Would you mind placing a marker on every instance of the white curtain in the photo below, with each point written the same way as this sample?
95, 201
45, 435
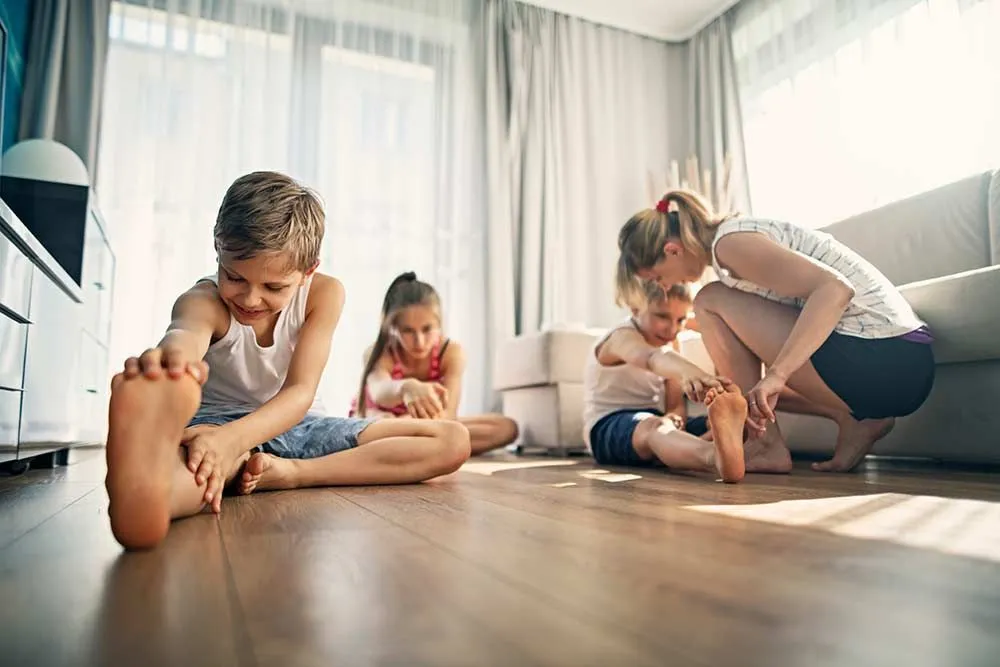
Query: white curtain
856, 103
579, 117
371, 102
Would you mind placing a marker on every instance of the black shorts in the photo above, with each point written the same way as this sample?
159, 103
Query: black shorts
611, 437
887, 377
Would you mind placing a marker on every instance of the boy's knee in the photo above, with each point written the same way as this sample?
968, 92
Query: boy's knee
453, 446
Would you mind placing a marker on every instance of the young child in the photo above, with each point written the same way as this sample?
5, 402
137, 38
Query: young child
634, 389
413, 371
838, 339
238, 369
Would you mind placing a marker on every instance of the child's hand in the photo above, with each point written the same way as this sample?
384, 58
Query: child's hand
425, 400
155, 360
209, 452
697, 384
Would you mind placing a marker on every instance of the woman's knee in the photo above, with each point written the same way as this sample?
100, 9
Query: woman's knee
711, 297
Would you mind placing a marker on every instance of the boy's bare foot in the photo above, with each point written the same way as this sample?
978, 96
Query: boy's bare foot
727, 413
769, 453
266, 472
146, 420
854, 441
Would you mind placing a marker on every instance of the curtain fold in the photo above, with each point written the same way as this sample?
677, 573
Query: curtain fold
716, 122
64, 74
578, 119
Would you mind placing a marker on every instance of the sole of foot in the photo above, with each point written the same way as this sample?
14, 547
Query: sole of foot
265, 472
727, 414
854, 442
146, 420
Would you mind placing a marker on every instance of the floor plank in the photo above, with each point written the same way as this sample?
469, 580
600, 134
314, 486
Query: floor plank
359, 590
771, 591
72, 597
563, 562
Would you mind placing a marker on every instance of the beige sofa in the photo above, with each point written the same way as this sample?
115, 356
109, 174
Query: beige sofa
942, 247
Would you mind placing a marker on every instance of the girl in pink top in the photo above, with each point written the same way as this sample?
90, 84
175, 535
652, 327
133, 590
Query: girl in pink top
413, 371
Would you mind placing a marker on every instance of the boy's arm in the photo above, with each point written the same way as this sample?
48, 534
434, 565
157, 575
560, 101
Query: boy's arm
675, 403
197, 317
628, 346
292, 402
452, 370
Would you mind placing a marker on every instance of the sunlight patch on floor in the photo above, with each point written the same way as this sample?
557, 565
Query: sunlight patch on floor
489, 467
954, 526
608, 476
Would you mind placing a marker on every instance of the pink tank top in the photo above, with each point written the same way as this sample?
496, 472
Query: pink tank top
397, 374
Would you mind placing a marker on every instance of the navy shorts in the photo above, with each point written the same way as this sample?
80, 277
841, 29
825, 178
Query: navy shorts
888, 377
611, 436
314, 436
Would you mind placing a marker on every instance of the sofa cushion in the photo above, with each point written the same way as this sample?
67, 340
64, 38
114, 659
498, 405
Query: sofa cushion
963, 312
548, 357
937, 233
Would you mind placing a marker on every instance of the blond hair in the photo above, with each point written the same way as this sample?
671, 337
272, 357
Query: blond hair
267, 212
641, 239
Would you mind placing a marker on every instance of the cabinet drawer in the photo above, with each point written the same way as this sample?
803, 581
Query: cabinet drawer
15, 278
13, 337
98, 275
10, 416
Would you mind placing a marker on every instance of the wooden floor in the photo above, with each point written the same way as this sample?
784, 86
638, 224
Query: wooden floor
556, 564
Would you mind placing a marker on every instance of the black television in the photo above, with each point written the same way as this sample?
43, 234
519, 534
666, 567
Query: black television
3, 80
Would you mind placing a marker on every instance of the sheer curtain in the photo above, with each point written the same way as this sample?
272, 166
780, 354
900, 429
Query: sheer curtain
580, 119
857, 103
370, 102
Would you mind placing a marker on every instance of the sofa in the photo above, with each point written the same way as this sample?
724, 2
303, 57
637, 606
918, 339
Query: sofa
941, 247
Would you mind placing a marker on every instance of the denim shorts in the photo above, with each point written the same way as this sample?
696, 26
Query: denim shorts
312, 437
611, 437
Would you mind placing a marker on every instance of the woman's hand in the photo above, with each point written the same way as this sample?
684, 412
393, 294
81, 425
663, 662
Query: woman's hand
425, 400
761, 401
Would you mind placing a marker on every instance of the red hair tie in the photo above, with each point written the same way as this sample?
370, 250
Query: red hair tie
662, 206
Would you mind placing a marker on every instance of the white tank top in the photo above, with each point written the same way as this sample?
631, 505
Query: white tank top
877, 310
608, 389
242, 374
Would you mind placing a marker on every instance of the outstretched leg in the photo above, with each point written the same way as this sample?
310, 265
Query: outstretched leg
488, 432
658, 437
148, 482
389, 451
743, 331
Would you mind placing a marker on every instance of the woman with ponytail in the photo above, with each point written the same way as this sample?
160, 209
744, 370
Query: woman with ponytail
836, 338
413, 371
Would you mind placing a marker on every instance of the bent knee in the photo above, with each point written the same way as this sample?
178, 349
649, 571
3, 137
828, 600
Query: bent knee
452, 446
710, 296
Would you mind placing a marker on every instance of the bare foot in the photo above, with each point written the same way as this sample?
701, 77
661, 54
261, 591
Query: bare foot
769, 453
266, 472
854, 441
727, 412
146, 420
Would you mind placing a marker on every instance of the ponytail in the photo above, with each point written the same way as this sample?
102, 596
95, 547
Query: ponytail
404, 290
642, 238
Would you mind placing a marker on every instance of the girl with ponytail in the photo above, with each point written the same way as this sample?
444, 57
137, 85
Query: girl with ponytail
413, 371
836, 337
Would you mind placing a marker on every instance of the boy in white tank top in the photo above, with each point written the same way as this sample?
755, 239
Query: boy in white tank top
229, 394
634, 395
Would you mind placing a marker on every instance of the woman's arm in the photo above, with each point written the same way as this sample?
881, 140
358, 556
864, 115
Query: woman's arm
754, 257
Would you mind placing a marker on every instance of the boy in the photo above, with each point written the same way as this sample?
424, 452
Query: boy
239, 367
631, 382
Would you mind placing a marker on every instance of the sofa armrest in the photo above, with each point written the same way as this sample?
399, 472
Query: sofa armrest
963, 313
